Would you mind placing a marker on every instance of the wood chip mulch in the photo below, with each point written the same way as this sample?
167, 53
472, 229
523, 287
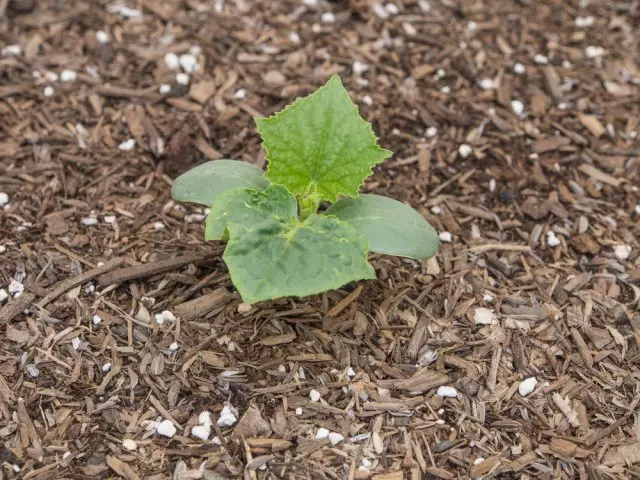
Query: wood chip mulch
512, 354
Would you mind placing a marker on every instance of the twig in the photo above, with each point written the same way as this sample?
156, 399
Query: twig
202, 305
13, 308
69, 283
507, 247
148, 269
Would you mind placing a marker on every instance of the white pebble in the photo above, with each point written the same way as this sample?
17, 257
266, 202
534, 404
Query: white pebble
240, 94
315, 395
189, 63
102, 37
75, 343
106, 367
159, 318
3, 295
464, 150
11, 50
380, 11
205, 418
299, 411
172, 61
582, 22
4, 199
164, 89
109, 219
3, 249
487, 84
563, 106
174, 346
48, 91
487, 298
227, 417
166, 428
328, 17
409, 29
294, 37
484, 316
436, 210
445, 237
51, 76
492, 185
593, 51
182, 79
96, 320
637, 209
432, 132
16, 468
518, 68
335, 438
129, 444
540, 59
517, 106
310, 3
447, 392
124, 10
301, 374
68, 76
424, 5
168, 316
527, 386
88, 221
32, 370
367, 100
195, 50
567, 64
445, 89
552, 240
622, 252
322, 433
158, 226
15, 288
478, 460
472, 26
392, 9
127, 145
201, 431
351, 372
360, 67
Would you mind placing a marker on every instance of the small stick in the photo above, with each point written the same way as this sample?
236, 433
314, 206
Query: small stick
345, 302
15, 307
202, 305
507, 247
583, 349
69, 283
148, 269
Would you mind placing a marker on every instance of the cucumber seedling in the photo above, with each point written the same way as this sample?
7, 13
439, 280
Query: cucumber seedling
318, 149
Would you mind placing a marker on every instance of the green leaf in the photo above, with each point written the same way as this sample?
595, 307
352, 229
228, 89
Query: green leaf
246, 207
277, 258
205, 182
391, 227
320, 145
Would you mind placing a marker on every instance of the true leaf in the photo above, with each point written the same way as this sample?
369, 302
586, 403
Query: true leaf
205, 182
391, 227
277, 258
246, 207
319, 145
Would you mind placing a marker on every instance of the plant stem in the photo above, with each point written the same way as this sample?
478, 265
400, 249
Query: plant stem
309, 205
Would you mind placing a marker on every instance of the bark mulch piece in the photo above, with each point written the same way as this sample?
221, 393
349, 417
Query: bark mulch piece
512, 354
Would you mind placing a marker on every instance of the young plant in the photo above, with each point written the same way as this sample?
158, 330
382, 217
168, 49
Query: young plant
318, 149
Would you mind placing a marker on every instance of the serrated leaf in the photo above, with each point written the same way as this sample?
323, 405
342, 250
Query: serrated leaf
246, 207
277, 258
319, 145
205, 182
391, 227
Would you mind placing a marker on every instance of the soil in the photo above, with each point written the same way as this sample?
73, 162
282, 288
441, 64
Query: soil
514, 126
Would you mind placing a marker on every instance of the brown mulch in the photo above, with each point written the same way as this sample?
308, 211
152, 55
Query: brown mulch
514, 125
